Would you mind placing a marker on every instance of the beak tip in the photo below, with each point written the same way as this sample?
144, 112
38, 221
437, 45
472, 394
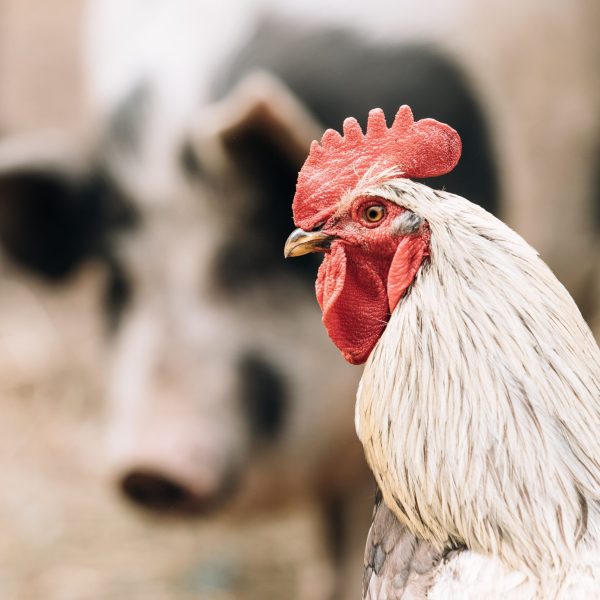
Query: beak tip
303, 242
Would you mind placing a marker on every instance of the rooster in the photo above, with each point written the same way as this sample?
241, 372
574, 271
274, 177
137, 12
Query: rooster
479, 405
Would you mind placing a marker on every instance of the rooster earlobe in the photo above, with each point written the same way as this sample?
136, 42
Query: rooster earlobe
409, 256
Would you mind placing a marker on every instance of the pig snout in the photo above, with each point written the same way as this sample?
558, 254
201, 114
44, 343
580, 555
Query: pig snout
174, 468
162, 490
175, 444
167, 486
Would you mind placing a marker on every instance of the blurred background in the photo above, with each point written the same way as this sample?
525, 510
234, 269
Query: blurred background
174, 422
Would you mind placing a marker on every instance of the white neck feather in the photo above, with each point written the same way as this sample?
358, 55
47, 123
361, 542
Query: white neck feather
479, 408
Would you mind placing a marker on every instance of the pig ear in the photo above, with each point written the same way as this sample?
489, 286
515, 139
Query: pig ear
261, 107
48, 217
261, 133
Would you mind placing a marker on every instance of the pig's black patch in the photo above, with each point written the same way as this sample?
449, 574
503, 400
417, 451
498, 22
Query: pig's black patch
336, 75
127, 121
50, 221
189, 161
117, 293
263, 394
267, 177
43, 225
241, 263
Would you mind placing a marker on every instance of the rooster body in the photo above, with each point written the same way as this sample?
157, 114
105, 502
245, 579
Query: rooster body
479, 406
490, 380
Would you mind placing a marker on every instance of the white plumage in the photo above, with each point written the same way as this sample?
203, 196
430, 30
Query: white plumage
479, 410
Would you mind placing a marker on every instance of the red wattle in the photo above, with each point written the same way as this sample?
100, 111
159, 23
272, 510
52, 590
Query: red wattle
353, 298
357, 292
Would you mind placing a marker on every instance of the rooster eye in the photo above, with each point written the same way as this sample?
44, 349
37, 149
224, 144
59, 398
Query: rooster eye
374, 213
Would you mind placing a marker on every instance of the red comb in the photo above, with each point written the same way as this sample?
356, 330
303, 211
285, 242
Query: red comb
426, 148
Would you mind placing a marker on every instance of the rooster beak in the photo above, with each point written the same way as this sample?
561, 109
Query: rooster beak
302, 242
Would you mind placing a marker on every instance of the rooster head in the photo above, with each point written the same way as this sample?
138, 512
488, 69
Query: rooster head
373, 247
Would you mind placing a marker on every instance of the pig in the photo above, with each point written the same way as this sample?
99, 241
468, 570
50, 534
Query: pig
223, 392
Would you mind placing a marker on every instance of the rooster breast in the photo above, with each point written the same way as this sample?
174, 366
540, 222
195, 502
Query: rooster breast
479, 408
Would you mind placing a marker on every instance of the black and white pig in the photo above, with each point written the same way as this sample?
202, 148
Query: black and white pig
223, 390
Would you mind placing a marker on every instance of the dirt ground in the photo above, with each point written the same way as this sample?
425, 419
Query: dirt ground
64, 532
